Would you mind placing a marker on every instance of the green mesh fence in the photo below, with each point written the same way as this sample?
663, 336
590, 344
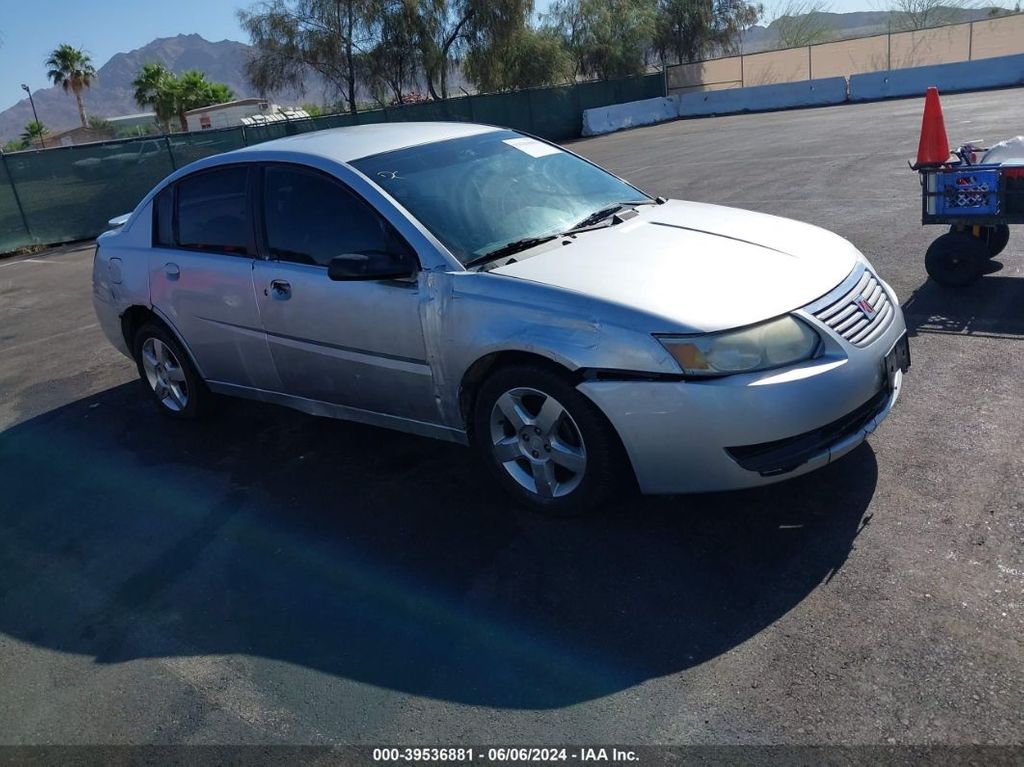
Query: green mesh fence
460, 110
189, 147
70, 193
13, 233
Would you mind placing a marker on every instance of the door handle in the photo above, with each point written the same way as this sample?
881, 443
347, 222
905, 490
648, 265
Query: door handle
280, 290
172, 271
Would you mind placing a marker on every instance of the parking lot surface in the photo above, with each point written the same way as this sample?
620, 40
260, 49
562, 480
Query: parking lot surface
265, 576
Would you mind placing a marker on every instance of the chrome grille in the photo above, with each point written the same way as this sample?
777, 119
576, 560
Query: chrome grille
850, 320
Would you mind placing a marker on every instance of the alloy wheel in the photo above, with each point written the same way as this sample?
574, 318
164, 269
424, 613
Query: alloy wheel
535, 439
165, 375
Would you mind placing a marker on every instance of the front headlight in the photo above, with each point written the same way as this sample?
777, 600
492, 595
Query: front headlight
772, 344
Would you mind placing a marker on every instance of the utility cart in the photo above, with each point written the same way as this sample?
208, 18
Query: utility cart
978, 203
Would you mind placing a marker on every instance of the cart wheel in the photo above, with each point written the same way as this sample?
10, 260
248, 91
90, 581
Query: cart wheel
956, 259
995, 237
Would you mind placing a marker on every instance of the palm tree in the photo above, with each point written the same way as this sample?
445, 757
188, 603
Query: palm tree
34, 131
71, 69
155, 87
195, 91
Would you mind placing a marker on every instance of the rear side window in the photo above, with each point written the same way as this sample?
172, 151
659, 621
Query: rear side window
310, 219
213, 211
163, 218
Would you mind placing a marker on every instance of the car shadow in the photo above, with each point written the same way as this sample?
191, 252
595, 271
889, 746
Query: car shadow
991, 307
385, 558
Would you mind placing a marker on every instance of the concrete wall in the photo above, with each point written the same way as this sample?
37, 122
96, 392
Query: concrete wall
961, 76
866, 86
631, 115
763, 98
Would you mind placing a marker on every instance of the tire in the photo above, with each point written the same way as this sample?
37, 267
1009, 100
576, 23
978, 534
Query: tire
995, 237
956, 259
168, 373
546, 444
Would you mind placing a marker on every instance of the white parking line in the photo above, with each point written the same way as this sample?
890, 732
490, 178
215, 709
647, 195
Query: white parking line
37, 261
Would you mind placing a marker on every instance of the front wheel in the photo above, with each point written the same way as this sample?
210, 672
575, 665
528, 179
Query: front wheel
546, 443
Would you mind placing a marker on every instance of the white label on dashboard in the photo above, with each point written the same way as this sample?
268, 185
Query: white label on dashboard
532, 147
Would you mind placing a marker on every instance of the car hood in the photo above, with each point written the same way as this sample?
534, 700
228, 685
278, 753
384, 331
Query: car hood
703, 266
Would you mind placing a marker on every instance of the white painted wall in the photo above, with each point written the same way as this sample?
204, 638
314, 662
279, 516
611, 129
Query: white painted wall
226, 117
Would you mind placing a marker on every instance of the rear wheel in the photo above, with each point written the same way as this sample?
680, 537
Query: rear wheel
166, 369
545, 443
956, 259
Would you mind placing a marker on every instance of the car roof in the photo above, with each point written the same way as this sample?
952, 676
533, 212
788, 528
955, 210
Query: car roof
357, 141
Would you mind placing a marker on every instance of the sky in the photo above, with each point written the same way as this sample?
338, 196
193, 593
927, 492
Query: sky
28, 32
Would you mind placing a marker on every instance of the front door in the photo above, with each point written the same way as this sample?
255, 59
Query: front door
357, 344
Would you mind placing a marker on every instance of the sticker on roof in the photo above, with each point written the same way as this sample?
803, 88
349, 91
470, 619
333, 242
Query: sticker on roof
532, 147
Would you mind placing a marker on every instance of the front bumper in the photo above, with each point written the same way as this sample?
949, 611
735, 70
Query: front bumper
778, 424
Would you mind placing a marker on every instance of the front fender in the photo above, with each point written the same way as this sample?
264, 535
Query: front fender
470, 315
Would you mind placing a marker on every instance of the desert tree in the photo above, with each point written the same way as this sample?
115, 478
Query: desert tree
503, 52
692, 30
392, 64
294, 39
606, 38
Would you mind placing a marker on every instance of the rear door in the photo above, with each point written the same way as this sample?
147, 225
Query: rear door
358, 344
201, 272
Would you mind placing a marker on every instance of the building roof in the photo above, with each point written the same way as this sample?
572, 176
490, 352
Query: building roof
347, 144
226, 105
138, 116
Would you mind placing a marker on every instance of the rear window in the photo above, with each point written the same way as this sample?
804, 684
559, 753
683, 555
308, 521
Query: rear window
213, 211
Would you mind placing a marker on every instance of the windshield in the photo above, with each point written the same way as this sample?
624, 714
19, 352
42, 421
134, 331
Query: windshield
479, 193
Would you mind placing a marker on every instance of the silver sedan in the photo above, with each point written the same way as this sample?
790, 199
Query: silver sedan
477, 285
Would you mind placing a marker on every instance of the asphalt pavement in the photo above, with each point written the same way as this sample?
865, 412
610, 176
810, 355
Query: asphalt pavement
268, 577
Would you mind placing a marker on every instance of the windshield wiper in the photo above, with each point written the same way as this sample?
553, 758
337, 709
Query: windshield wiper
509, 248
600, 215
517, 246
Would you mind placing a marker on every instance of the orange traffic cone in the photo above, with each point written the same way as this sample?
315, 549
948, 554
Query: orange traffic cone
934, 146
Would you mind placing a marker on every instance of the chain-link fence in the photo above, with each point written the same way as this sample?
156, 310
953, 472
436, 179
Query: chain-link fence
69, 193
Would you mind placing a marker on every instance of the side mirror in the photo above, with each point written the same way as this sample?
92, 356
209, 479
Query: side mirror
369, 265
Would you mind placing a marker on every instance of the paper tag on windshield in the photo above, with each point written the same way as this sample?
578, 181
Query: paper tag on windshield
532, 147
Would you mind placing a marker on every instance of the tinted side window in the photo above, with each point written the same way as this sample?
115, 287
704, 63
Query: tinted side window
163, 218
213, 211
310, 219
